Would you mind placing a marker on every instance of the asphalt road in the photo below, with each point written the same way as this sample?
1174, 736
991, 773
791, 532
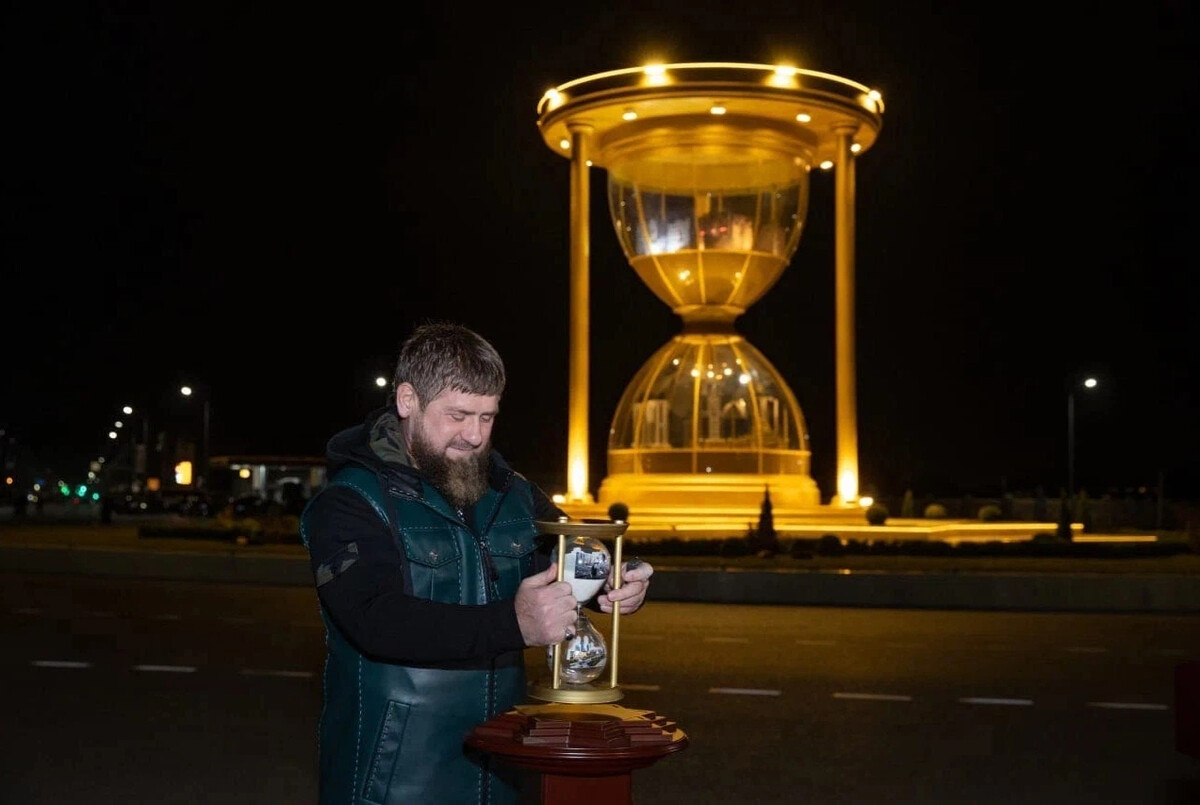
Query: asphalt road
131, 691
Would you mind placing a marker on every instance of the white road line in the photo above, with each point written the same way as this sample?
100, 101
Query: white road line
726, 640
285, 674
1085, 649
27, 611
170, 669
746, 691
1127, 706
60, 664
986, 700
874, 697
815, 643
166, 617
639, 687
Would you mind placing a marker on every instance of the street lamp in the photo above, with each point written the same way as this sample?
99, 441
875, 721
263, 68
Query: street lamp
187, 391
1087, 383
138, 446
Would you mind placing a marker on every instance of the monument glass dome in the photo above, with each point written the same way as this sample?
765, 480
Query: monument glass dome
710, 405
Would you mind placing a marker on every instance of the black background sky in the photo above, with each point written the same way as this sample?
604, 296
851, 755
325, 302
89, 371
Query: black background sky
265, 200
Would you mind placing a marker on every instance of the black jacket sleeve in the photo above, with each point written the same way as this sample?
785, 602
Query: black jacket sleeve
359, 572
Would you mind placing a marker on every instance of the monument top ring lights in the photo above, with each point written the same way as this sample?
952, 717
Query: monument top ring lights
779, 108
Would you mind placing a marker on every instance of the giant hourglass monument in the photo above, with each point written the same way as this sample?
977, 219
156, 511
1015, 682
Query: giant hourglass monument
708, 168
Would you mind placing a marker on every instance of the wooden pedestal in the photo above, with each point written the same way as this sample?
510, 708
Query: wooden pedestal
585, 753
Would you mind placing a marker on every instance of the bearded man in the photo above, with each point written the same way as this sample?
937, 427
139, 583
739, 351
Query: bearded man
432, 580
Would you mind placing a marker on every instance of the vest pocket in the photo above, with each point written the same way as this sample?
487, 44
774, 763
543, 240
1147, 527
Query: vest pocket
433, 563
387, 750
512, 545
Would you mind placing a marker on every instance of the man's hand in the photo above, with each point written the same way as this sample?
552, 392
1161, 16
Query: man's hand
545, 608
635, 582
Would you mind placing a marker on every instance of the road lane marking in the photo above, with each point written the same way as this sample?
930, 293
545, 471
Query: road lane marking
1085, 649
280, 673
1127, 705
746, 691
874, 697
169, 669
726, 640
639, 687
60, 664
988, 700
815, 643
27, 611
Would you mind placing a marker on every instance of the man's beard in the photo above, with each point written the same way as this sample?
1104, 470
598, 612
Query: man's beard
461, 481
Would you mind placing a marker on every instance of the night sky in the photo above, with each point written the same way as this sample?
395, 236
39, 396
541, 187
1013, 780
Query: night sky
264, 200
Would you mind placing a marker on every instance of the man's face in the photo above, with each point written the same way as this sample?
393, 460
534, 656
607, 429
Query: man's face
449, 440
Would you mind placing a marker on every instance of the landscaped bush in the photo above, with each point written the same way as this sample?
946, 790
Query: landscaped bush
990, 513
877, 514
830, 545
734, 546
935, 511
801, 548
186, 532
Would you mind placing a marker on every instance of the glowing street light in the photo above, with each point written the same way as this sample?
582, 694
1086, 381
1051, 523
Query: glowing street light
1087, 383
188, 391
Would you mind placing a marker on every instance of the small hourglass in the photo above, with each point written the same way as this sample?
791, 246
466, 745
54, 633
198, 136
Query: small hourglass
577, 662
585, 653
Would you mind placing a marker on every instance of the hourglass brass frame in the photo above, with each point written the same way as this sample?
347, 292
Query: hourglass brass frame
606, 689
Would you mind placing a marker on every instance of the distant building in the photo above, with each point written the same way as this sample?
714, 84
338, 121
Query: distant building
280, 479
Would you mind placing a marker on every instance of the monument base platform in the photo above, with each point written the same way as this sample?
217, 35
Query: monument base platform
810, 522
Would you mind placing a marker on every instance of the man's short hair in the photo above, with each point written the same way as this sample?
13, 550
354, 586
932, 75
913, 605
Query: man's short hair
441, 355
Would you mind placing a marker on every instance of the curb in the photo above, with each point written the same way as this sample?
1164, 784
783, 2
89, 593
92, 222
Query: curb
1052, 592
1055, 592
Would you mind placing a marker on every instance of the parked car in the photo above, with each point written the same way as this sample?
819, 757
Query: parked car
197, 505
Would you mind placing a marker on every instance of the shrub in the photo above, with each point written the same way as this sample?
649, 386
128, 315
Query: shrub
801, 549
830, 545
877, 514
935, 511
990, 513
734, 546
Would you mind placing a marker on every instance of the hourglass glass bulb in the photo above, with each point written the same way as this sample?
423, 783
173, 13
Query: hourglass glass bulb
586, 566
584, 655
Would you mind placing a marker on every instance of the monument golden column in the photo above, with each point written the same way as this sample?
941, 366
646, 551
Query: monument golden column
708, 186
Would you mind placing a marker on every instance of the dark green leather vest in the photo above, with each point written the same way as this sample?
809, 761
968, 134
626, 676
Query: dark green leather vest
392, 733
